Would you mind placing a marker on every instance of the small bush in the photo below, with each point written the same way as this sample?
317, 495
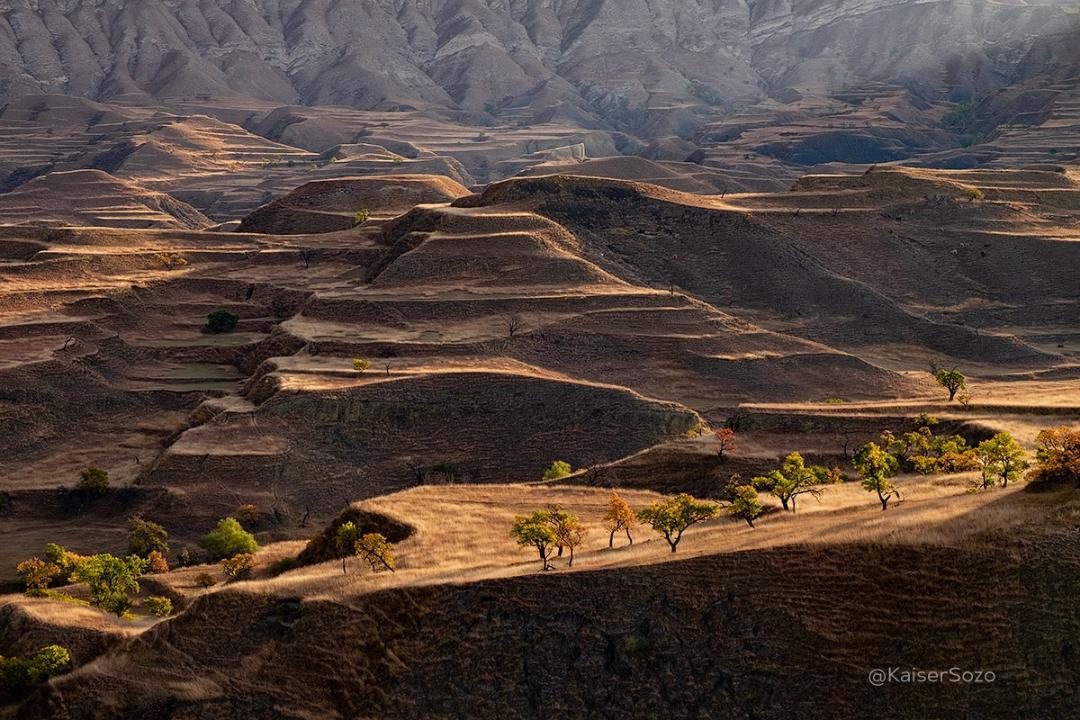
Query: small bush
185, 558
159, 606
228, 539
156, 563
93, 481
247, 514
361, 217
558, 470
18, 676
147, 537
377, 551
205, 580
222, 321
360, 365
238, 566
37, 574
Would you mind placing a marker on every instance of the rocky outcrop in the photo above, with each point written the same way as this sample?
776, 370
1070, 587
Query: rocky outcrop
591, 58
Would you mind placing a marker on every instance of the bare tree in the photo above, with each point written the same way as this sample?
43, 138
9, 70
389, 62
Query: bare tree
513, 324
307, 255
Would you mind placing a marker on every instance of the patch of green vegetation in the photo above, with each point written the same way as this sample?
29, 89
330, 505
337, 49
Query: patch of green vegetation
222, 321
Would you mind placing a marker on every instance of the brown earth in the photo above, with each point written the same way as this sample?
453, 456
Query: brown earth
598, 321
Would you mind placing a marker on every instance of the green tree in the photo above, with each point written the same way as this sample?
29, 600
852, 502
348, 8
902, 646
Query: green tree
952, 380
1002, 458
345, 541
793, 479
377, 551
145, 537
672, 516
360, 364
877, 466
93, 481
746, 505
619, 516
228, 539
18, 676
535, 530
61, 557
558, 470
159, 606
111, 580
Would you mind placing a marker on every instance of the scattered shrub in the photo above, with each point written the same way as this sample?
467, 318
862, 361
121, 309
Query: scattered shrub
111, 580
247, 514
360, 365
929, 454
93, 481
37, 574
377, 551
156, 563
146, 537
361, 217
238, 566
228, 539
18, 676
1057, 457
170, 261
185, 558
222, 321
159, 606
205, 580
558, 470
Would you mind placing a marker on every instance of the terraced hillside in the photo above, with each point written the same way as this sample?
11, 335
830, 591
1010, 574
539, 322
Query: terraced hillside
603, 322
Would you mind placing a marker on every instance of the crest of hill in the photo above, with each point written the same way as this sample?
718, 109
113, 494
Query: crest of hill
331, 205
95, 198
679, 176
733, 255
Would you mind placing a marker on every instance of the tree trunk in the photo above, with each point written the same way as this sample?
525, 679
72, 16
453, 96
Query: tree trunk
793, 504
749, 521
611, 539
570, 564
952, 393
784, 502
343, 565
628, 536
884, 501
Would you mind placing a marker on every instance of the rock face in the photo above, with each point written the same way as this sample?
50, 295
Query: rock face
602, 59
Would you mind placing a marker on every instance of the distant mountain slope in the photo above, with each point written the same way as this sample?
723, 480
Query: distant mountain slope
598, 59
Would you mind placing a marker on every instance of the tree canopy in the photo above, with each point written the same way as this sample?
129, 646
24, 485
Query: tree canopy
877, 466
228, 539
672, 516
